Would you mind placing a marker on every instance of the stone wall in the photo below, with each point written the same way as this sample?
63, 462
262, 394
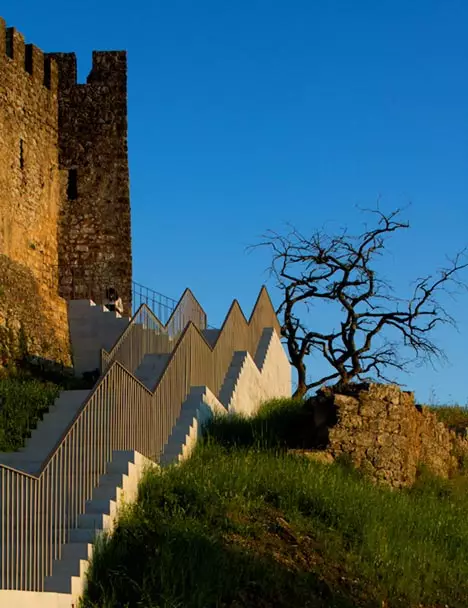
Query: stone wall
30, 309
385, 434
29, 163
31, 314
64, 186
94, 228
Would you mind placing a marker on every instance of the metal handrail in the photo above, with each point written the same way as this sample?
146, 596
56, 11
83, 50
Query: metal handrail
37, 512
159, 303
75, 281
147, 334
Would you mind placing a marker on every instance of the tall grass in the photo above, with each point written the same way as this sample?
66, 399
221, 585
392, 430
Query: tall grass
23, 402
243, 523
454, 416
279, 424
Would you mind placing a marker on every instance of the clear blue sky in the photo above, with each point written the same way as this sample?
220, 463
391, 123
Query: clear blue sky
247, 114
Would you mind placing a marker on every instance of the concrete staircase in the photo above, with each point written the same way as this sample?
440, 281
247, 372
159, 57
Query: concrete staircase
48, 431
151, 368
118, 486
92, 327
196, 410
123, 473
248, 381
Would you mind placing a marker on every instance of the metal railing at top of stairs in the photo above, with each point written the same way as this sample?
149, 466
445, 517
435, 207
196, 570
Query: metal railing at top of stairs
146, 333
75, 281
162, 306
37, 512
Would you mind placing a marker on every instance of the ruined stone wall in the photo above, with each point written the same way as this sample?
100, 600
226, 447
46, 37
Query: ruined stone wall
94, 230
385, 434
29, 194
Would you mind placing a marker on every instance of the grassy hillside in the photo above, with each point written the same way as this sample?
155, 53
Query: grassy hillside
25, 396
23, 402
245, 524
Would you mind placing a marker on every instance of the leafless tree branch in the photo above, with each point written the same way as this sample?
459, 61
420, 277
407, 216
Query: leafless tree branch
341, 270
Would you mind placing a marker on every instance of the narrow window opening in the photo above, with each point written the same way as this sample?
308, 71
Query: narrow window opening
9, 43
72, 190
47, 72
21, 155
28, 58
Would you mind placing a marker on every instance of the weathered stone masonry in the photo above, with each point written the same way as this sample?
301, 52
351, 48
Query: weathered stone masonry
94, 228
64, 186
384, 433
29, 164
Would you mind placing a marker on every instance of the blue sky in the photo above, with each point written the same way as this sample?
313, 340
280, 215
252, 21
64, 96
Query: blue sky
246, 115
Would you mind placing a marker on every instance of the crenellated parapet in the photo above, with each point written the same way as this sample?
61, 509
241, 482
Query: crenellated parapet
27, 59
108, 68
94, 230
64, 183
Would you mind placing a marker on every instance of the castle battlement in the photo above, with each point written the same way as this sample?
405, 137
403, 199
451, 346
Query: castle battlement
64, 183
27, 58
109, 68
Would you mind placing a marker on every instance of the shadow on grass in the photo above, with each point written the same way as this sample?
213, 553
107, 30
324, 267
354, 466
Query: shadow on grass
178, 562
23, 402
26, 394
240, 528
280, 424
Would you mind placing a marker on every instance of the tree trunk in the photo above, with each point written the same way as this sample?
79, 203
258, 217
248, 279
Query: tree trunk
301, 389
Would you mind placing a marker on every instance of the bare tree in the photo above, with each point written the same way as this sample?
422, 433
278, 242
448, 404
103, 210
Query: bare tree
374, 323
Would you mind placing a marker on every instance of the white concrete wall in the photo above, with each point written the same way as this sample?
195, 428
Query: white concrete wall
250, 382
246, 387
35, 599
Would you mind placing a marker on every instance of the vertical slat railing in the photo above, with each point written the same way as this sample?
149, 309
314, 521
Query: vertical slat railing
38, 512
146, 334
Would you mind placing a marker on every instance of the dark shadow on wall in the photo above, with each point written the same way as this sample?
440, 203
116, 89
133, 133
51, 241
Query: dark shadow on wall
32, 327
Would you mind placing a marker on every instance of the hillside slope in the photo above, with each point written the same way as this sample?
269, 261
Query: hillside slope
245, 523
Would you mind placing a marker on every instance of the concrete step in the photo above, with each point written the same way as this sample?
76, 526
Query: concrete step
119, 467
107, 493
69, 567
47, 433
18, 460
84, 535
68, 573
93, 328
151, 368
95, 521
76, 551
62, 584
101, 506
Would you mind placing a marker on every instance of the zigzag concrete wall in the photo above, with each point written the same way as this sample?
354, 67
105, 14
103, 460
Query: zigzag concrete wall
251, 381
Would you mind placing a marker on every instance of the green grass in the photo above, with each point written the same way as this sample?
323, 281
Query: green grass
23, 402
454, 416
279, 424
244, 523
26, 393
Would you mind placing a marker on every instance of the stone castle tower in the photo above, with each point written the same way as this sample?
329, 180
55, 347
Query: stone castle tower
64, 180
